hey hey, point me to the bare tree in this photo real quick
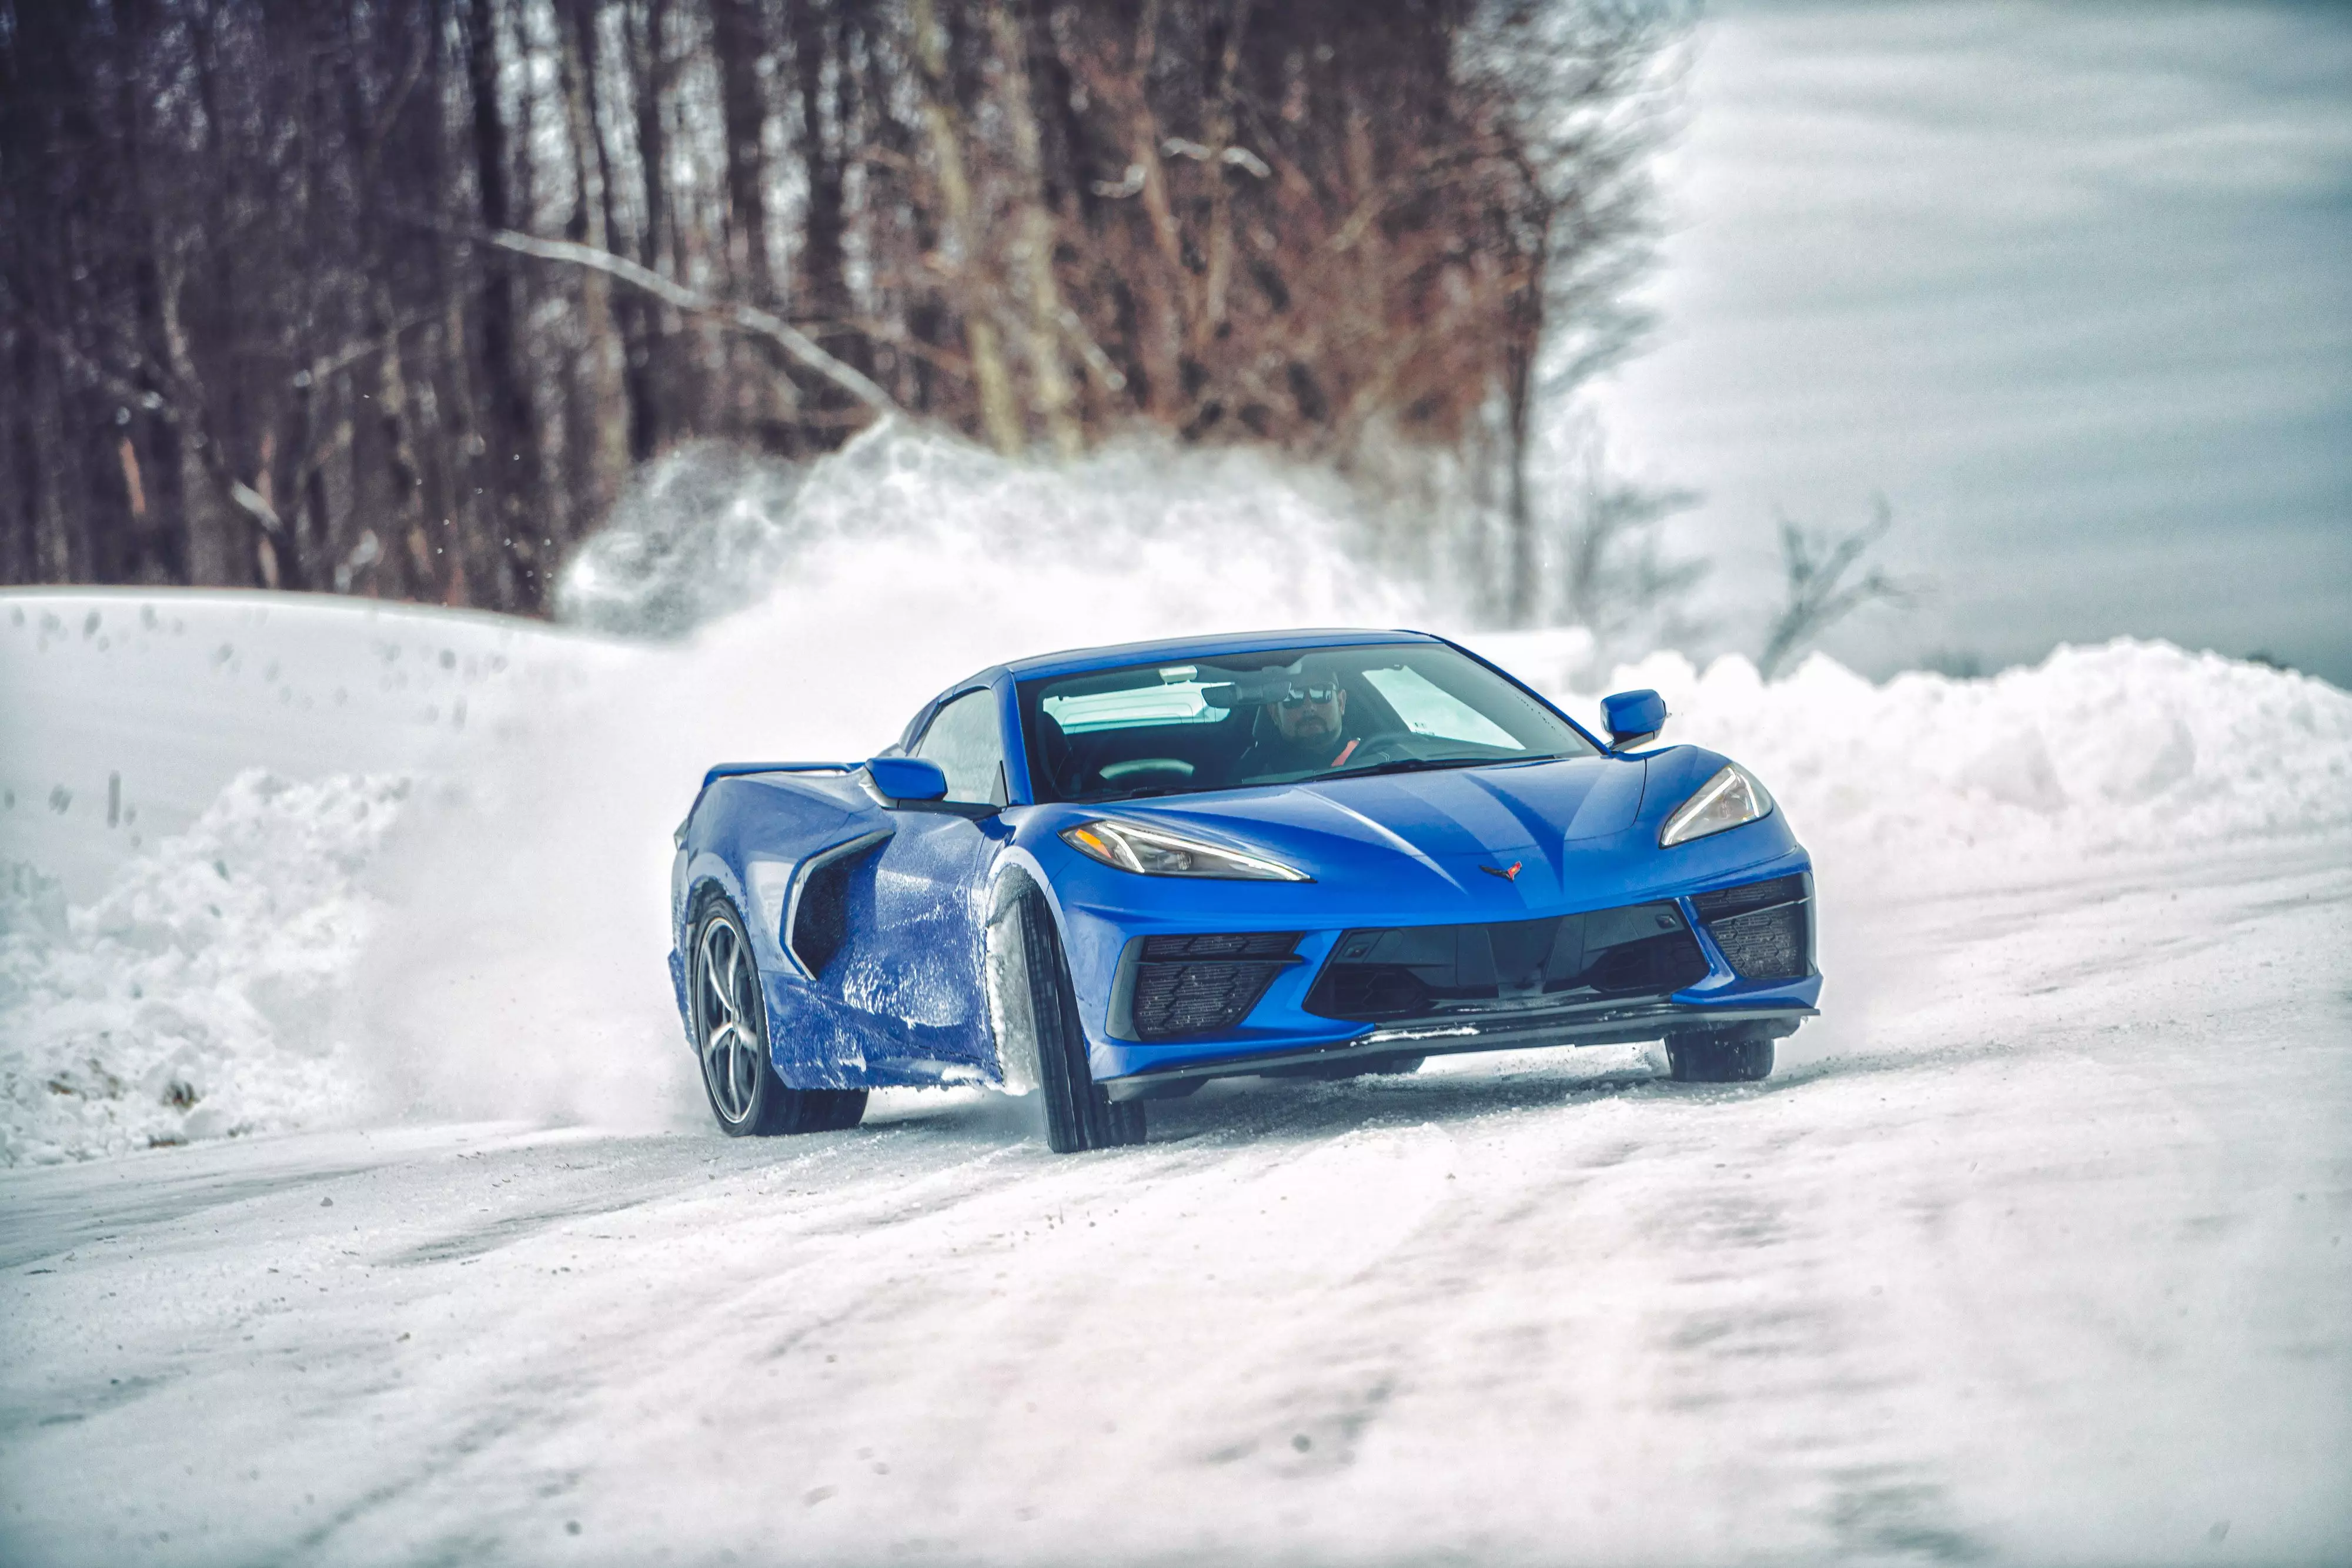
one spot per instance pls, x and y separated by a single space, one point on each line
1819 590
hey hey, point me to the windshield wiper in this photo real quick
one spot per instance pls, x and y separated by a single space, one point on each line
1422 765
1402 765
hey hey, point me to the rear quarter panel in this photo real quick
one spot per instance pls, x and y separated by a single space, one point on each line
737 826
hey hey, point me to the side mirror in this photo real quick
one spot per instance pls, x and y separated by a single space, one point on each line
1632 717
907 779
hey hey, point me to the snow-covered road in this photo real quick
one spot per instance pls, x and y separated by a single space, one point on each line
1977 1276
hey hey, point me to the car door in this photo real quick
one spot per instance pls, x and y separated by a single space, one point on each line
920 976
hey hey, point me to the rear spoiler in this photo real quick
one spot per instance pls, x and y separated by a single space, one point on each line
733 769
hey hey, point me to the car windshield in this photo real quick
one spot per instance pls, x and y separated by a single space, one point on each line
1181 726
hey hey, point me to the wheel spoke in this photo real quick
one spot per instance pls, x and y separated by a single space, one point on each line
717 1070
744 1070
705 982
730 1046
723 965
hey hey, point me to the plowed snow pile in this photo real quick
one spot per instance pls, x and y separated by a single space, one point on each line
2095 751
479 931
196 998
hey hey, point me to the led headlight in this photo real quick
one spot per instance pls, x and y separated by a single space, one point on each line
1155 852
1730 800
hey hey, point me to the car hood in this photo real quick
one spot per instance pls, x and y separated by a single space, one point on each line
1449 821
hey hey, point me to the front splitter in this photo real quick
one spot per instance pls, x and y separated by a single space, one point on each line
1467 1032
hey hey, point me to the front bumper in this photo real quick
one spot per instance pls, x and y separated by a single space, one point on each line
1288 1030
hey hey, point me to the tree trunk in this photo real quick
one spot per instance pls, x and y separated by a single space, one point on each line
646 427
594 442
999 416
739 40
509 467
1225 41
1048 371
1519 396
1162 335
154 445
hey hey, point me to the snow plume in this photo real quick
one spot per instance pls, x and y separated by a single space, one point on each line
198 996
699 532
1197 535
520 972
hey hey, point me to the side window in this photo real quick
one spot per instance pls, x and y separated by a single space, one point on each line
968 743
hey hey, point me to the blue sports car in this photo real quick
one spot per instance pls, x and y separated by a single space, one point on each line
1108 876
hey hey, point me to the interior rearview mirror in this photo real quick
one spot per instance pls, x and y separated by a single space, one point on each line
907 779
1632 717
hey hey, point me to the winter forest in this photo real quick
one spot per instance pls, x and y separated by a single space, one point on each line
387 297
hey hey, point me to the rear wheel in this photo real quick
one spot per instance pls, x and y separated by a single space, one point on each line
1696 1057
1078 1115
730 1035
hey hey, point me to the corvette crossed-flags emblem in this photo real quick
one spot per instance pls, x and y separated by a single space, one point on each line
1510 874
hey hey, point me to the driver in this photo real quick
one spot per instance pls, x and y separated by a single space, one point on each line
1302 731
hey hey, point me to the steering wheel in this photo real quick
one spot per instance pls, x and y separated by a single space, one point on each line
1384 746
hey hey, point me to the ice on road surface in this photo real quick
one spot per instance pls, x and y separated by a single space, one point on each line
358 1202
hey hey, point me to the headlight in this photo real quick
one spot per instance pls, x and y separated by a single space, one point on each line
1155 852
1731 799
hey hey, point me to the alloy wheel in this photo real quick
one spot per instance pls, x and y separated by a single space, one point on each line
732 1039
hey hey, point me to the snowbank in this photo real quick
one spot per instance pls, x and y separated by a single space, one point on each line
2094 752
124 713
198 997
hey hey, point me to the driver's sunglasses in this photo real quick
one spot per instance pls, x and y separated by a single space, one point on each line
1299 696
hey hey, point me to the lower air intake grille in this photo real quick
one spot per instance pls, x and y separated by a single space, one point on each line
1763 928
1201 984
1432 971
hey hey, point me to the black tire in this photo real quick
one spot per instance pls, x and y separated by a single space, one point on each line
1696 1057
1078 1115
729 1016
1396 1067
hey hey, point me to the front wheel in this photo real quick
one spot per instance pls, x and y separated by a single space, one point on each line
1696 1056
1078 1115
730 1035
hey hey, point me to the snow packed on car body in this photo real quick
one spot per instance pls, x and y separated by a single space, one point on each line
1111 874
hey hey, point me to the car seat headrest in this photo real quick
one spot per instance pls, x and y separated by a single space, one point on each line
1055 750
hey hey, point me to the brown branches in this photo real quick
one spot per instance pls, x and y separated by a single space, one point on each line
430 272
747 318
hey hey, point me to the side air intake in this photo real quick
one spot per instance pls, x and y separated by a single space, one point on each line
1763 928
816 921
1204 983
